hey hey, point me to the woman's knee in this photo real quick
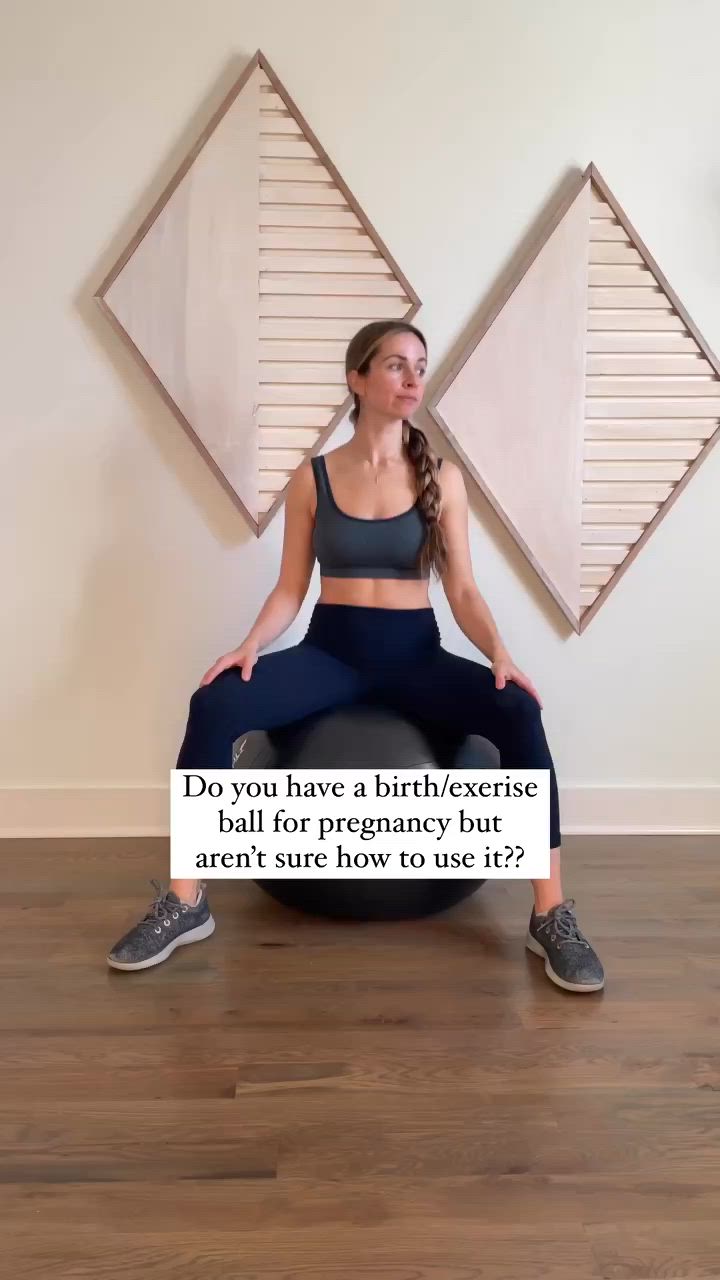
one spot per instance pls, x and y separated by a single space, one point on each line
517 705
208 698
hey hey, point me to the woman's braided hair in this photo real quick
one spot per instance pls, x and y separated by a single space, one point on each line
361 349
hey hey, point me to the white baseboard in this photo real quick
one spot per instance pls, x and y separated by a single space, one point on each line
83 812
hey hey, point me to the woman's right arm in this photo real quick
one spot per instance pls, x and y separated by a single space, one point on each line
285 600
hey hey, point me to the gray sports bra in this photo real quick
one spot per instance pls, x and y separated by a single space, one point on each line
353 547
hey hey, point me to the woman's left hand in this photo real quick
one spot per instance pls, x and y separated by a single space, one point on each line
504 669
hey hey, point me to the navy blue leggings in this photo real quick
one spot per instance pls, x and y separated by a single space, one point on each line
393 657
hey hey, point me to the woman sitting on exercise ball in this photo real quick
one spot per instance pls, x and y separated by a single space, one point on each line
379 513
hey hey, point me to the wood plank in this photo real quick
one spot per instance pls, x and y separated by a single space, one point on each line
614 252
318 216
655 450
317 307
599 208
313 394
602 230
626 534
352 264
287 438
603 554
303 193
624 492
637 407
282 124
302 352
277 416
651 428
599 512
704 388
653 342
628 320
674 365
288 172
628 275
326 372
316 238
617 299
272 481
280 460
638 471
358 284
286 149
339 329
595 575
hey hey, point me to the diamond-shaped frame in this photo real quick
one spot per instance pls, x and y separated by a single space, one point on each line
239 291
620 403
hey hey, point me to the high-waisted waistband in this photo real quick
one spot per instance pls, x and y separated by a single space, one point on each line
366 637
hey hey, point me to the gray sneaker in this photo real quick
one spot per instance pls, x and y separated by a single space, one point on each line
570 961
167 924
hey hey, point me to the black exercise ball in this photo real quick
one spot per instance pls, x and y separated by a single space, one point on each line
363 737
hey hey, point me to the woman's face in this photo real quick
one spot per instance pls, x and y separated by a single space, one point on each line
393 385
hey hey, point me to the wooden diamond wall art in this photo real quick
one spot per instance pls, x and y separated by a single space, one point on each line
586 402
242 287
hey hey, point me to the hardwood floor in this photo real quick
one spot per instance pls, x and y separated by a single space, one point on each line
297 1099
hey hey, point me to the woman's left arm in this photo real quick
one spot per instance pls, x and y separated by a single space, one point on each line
467 605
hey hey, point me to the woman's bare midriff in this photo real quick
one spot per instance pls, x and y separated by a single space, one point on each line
376 593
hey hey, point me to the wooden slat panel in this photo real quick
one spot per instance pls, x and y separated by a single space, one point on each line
692 407
596 510
640 471
627 534
303 193
621 318
316 238
359 264
674 365
311 307
272 415
265 502
279 328
278 215
603 554
600 208
625 492
289 173
279 124
604 230
270 100
629 276
286 149
303 352
657 450
323 373
276 393
658 341
273 481
587 596
664 387
287 438
614 252
280 460
618 299
358 284
595 575
650 428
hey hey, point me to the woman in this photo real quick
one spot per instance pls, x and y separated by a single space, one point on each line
378 517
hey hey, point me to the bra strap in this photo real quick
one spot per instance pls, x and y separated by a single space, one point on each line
322 484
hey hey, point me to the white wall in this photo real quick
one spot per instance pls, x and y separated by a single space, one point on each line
127 568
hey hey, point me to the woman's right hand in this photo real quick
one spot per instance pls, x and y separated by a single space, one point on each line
245 657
